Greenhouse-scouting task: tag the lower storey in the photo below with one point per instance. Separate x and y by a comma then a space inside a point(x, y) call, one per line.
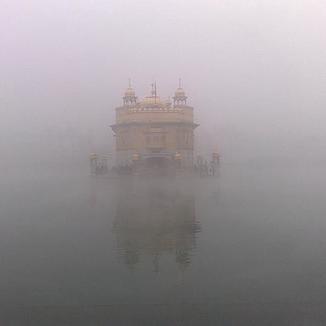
point(155, 159)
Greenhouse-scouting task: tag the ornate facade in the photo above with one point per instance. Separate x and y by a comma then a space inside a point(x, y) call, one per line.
point(154, 132)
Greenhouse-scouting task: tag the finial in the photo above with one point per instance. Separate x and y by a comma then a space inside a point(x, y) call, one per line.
point(129, 82)
point(154, 91)
point(179, 82)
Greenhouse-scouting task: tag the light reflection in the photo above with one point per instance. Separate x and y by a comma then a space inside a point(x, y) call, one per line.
point(153, 219)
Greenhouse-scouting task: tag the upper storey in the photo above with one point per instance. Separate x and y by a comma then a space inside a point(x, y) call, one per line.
point(152, 109)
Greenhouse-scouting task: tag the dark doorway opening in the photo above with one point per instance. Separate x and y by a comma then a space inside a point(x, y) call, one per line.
point(158, 165)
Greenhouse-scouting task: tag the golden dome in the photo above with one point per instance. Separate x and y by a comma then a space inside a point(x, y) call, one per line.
point(151, 100)
point(180, 92)
point(129, 92)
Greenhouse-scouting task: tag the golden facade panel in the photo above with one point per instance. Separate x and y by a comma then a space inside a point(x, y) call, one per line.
point(154, 130)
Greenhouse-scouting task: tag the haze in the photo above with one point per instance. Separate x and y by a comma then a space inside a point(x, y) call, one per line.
point(254, 70)
point(243, 247)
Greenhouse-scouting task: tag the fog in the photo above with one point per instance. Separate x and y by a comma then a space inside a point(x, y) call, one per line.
point(253, 70)
point(77, 249)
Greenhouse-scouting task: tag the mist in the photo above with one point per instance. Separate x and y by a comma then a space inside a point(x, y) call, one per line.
point(247, 242)
point(254, 71)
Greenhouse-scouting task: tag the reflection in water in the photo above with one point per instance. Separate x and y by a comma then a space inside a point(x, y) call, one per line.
point(154, 218)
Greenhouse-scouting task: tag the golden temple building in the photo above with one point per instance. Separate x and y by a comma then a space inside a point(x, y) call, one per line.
point(153, 132)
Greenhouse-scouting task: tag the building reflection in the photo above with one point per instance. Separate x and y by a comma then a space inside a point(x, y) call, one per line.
point(153, 220)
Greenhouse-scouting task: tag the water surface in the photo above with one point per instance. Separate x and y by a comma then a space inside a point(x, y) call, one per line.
point(244, 248)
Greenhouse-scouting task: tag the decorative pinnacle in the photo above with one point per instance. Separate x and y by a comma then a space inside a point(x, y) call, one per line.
point(154, 91)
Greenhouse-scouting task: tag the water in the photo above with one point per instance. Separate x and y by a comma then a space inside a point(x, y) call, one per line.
point(245, 248)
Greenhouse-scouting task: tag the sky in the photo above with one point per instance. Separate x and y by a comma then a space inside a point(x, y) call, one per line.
point(255, 71)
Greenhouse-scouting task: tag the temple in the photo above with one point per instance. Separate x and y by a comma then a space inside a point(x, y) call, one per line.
point(154, 133)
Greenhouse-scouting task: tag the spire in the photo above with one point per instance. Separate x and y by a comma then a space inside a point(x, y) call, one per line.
point(129, 97)
point(154, 91)
point(180, 97)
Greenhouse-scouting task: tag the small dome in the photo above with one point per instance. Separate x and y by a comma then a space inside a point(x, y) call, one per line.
point(180, 92)
point(129, 92)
